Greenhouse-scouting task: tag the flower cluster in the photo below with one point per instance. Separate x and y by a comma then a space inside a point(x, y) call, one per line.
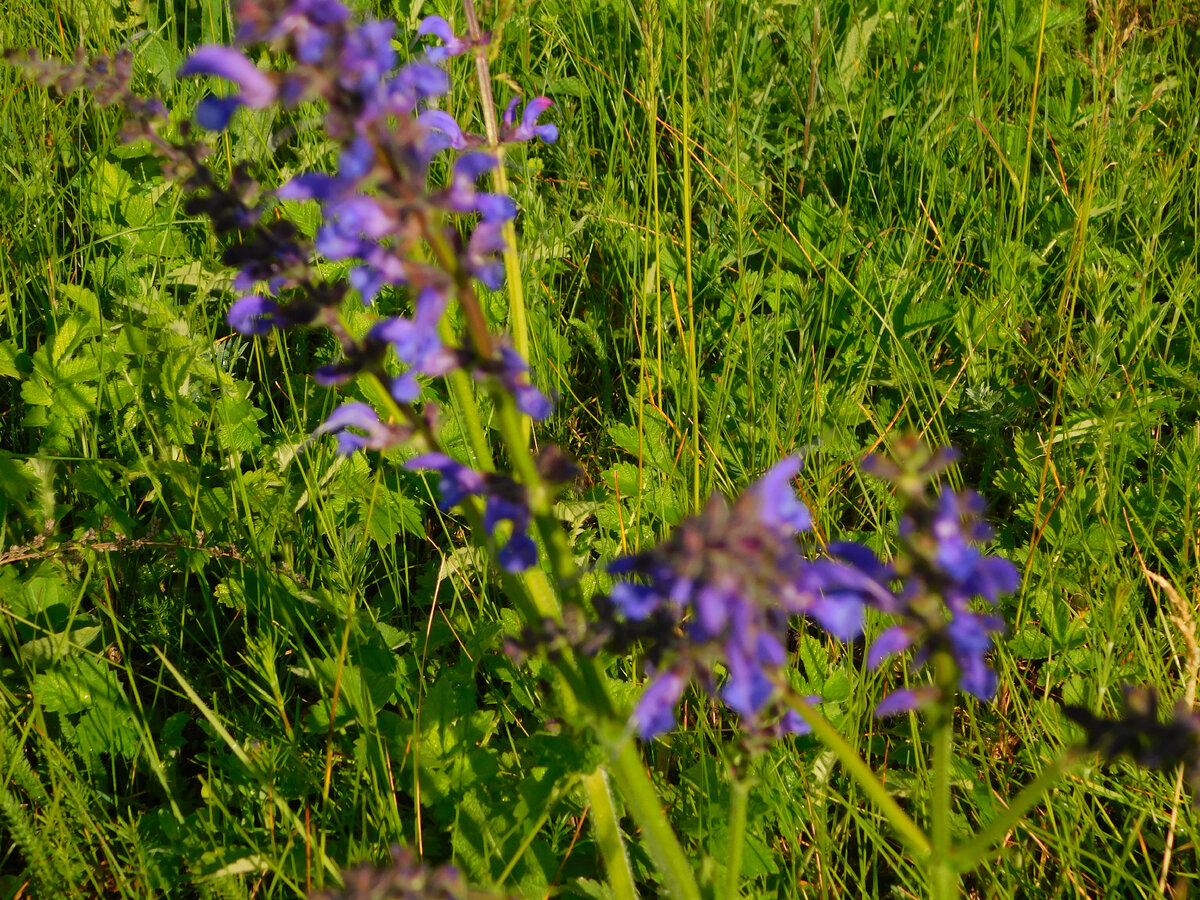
point(381, 215)
point(1140, 735)
point(724, 588)
point(405, 878)
point(941, 572)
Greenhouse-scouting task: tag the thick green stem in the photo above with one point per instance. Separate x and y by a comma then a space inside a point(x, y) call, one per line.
point(608, 836)
point(739, 800)
point(908, 830)
point(943, 878)
point(645, 806)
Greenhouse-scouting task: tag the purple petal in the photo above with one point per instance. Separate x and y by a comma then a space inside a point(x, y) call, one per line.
point(533, 402)
point(308, 186)
point(405, 388)
point(498, 509)
point(890, 642)
point(713, 609)
point(436, 26)
point(519, 554)
point(839, 614)
point(510, 112)
point(252, 315)
point(901, 701)
point(350, 415)
point(862, 558)
point(258, 90)
point(448, 133)
point(748, 688)
point(356, 160)
point(214, 113)
point(791, 722)
point(635, 601)
point(495, 207)
point(655, 712)
point(779, 506)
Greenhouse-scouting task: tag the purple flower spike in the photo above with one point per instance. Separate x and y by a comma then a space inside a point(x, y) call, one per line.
point(452, 45)
point(253, 315)
point(529, 129)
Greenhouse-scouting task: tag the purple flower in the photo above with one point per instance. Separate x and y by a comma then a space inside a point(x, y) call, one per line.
point(414, 83)
point(778, 504)
point(655, 711)
point(367, 55)
point(452, 45)
point(253, 315)
point(348, 420)
point(487, 240)
point(257, 88)
point(311, 24)
point(520, 552)
point(444, 132)
point(903, 700)
point(891, 641)
point(506, 501)
point(635, 602)
point(462, 196)
point(528, 128)
point(513, 374)
point(943, 570)
point(457, 482)
point(722, 590)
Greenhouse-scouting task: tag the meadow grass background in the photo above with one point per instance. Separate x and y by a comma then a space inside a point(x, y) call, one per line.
point(767, 227)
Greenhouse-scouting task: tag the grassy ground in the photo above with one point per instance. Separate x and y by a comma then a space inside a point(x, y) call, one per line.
point(768, 226)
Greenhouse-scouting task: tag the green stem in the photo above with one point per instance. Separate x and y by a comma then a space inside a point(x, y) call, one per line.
point(908, 831)
point(968, 856)
point(645, 806)
point(739, 797)
point(943, 878)
point(514, 283)
point(608, 836)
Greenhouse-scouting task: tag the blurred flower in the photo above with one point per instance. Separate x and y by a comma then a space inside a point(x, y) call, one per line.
point(258, 89)
point(1139, 734)
point(404, 878)
point(941, 570)
point(528, 128)
point(504, 501)
point(720, 593)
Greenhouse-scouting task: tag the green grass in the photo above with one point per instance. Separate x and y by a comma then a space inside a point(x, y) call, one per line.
point(766, 227)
